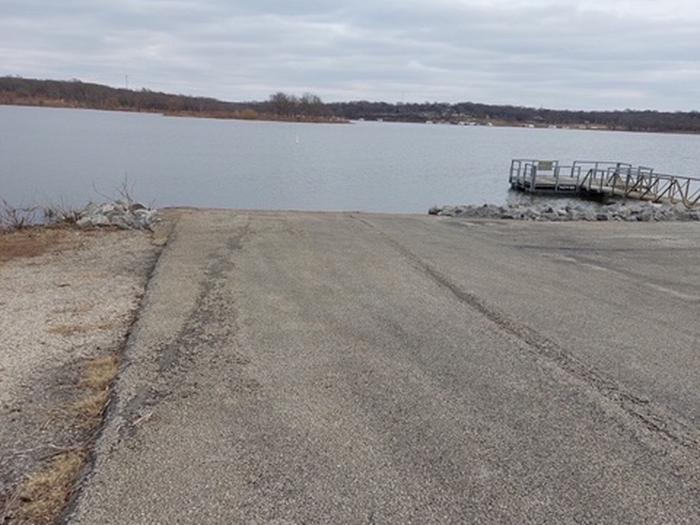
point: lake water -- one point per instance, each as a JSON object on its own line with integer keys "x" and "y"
{"x": 49, "y": 155}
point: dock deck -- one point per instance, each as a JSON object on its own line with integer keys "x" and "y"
{"x": 597, "y": 178}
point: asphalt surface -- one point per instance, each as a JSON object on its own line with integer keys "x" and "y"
{"x": 355, "y": 368}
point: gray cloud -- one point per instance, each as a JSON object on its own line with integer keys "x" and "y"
{"x": 554, "y": 53}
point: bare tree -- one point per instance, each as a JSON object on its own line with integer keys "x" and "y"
{"x": 311, "y": 105}
{"x": 281, "y": 104}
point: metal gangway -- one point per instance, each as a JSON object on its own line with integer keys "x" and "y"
{"x": 600, "y": 178}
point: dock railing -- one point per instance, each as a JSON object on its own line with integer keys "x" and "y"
{"x": 619, "y": 179}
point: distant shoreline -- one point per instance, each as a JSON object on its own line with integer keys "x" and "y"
{"x": 226, "y": 115}
{"x": 222, "y": 115}
{"x": 308, "y": 107}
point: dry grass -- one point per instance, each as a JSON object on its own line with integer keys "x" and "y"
{"x": 101, "y": 371}
{"x": 42, "y": 497}
{"x": 32, "y": 242}
{"x": 38, "y": 240}
{"x": 99, "y": 374}
{"x": 68, "y": 330}
{"x": 91, "y": 407}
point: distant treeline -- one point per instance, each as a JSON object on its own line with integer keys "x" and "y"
{"x": 309, "y": 107}
{"x": 465, "y": 112}
{"x": 77, "y": 94}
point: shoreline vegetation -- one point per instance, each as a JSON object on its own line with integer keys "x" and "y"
{"x": 223, "y": 115}
{"x": 74, "y": 94}
{"x": 310, "y": 108}
{"x": 120, "y": 211}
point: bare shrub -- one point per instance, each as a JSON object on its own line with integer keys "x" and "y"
{"x": 124, "y": 192}
{"x": 12, "y": 218}
{"x": 60, "y": 213}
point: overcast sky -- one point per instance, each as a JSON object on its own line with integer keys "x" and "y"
{"x": 583, "y": 54}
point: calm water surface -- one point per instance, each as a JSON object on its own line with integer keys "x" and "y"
{"x": 48, "y": 155}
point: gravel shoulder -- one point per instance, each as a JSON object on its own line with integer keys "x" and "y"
{"x": 68, "y": 298}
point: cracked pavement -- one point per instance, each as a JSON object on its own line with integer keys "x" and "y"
{"x": 359, "y": 368}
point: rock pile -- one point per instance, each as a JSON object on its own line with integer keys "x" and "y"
{"x": 638, "y": 211}
{"x": 124, "y": 215}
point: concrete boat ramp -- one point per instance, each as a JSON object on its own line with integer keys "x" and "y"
{"x": 356, "y": 368}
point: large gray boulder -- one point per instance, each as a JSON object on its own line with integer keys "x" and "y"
{"x": 119, "y": 214}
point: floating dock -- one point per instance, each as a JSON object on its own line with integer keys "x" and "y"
{"x": 603, "y": 179}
